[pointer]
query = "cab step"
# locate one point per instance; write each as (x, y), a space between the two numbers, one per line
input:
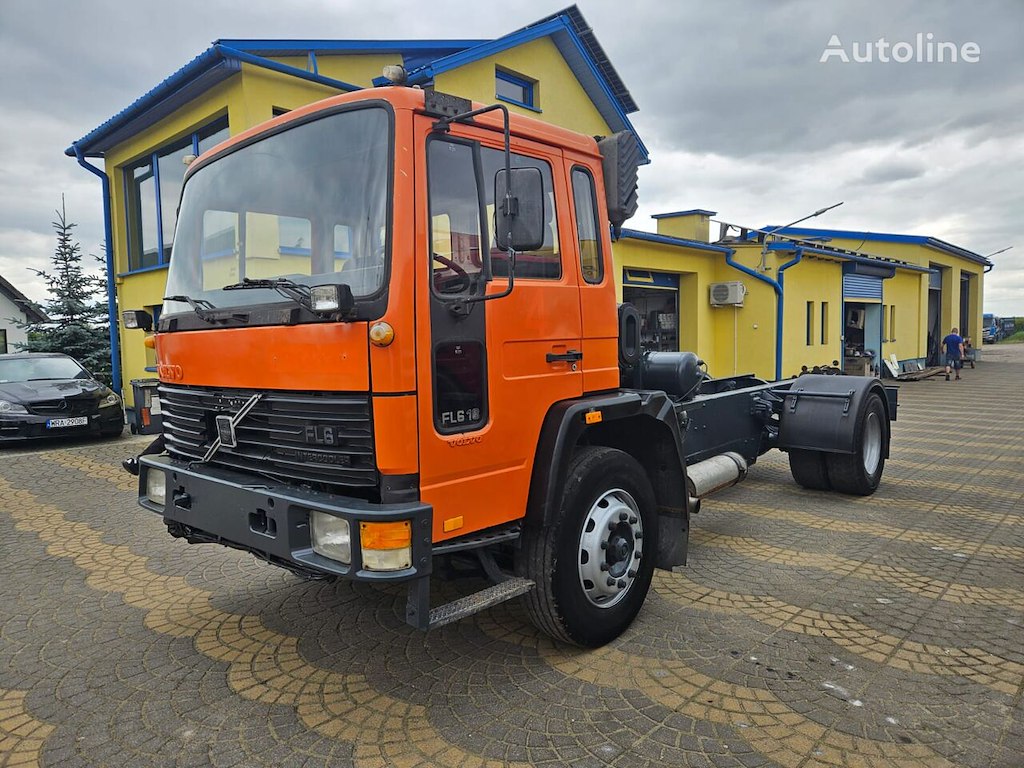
(479, 601)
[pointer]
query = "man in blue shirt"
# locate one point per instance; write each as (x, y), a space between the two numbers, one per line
(954, 344)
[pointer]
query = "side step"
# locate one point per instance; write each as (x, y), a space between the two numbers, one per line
(479, 601)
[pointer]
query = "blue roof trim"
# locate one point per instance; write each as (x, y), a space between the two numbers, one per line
(882, 237)
(202, 73)
(679, 242)
(691, 212)
(302, 47)
(569, 45)
(832, 254)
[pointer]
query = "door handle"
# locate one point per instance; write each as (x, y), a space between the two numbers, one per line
(572, 356)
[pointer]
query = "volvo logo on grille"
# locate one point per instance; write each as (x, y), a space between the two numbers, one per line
(226, 431)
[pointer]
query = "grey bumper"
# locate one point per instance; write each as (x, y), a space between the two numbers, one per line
(271, 519)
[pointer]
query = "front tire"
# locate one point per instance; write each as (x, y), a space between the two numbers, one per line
(859, 473)
(593, 564)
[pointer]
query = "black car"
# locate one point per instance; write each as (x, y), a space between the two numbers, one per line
(51, 395)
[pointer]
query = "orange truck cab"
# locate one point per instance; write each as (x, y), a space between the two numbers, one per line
(390, 336)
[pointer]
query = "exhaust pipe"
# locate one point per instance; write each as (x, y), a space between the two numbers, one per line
(714, 474)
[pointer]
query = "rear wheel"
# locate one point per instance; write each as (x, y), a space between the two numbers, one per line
(809, 469)
(594, 563)
(860, 472)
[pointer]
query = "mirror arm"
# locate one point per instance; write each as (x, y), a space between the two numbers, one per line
(460, 307)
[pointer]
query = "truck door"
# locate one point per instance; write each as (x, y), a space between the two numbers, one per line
(487, 370)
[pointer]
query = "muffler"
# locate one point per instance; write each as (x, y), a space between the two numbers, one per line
(714, 474)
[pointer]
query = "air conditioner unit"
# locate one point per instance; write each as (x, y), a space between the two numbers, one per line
(728, 294)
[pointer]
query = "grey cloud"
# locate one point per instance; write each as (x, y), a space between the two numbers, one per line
(886, 173)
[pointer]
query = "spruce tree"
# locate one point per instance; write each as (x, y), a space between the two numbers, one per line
(78, 324)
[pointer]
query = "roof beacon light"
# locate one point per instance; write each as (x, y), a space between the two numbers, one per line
(395, 73)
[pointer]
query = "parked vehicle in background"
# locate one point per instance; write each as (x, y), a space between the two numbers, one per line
(1007, 326)
(991, 330)
(52, 395)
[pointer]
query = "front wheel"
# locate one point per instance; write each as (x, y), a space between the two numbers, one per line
(860, 472)
(594, 562)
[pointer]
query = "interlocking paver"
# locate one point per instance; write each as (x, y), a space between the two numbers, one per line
(808, 629)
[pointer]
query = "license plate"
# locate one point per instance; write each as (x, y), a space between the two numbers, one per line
(74, 421)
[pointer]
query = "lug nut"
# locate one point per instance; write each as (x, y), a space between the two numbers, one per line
(637, 555)
(612, 526)
(623, 516)
(631, 574)
(638, 535)
(611, 582)
(604, 566)
(604, 545)
(632, 521)
(622, 583)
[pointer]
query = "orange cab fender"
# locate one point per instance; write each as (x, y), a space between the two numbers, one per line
(642, 424)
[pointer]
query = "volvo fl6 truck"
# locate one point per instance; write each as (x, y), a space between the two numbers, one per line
(390, 342)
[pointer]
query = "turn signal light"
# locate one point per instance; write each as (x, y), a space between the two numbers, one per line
(381, 334)
(385, 535)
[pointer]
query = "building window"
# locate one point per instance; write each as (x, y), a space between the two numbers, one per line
(3, 341)
(515, 88)
(824, 322)
(152, 188)
(885, 323)
(892, 322)
(587, 226)
(810, 323)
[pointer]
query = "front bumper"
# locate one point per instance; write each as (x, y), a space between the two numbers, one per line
(271, 519)
(30, 426)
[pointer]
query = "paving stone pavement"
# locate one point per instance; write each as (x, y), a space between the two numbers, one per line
(807, 629)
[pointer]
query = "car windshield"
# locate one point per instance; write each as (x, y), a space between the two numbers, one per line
(309, 203)
(39, 368)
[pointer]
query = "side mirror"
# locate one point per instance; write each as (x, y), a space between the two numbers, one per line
(519, 216)
(137, 318)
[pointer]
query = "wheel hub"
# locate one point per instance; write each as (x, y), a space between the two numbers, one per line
(610, 548)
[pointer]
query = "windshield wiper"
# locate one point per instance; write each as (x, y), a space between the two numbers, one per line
(201, 306)
(288, 288)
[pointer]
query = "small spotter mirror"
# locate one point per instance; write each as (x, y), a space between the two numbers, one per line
(519, 209)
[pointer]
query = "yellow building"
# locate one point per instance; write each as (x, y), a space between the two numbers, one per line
(553, 69)
(769, 305)
(915, 315)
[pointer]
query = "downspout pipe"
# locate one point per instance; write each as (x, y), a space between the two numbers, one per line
(777, 287)
(780, 306)
(115, 344)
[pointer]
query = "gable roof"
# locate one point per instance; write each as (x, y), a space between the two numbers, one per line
(422, 59)
(33, 313)
(882, 237)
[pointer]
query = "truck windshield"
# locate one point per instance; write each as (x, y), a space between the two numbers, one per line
(309, 203)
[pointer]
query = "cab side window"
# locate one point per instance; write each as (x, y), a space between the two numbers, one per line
(544, 263)
(587, 225)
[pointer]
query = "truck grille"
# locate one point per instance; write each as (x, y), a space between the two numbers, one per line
(322, 439)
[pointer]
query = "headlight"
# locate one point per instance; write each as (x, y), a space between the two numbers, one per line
(109, 400)
(331, 537)
(156, 486)
(6, 406)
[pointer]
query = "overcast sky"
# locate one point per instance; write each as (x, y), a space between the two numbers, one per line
(736, 107)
